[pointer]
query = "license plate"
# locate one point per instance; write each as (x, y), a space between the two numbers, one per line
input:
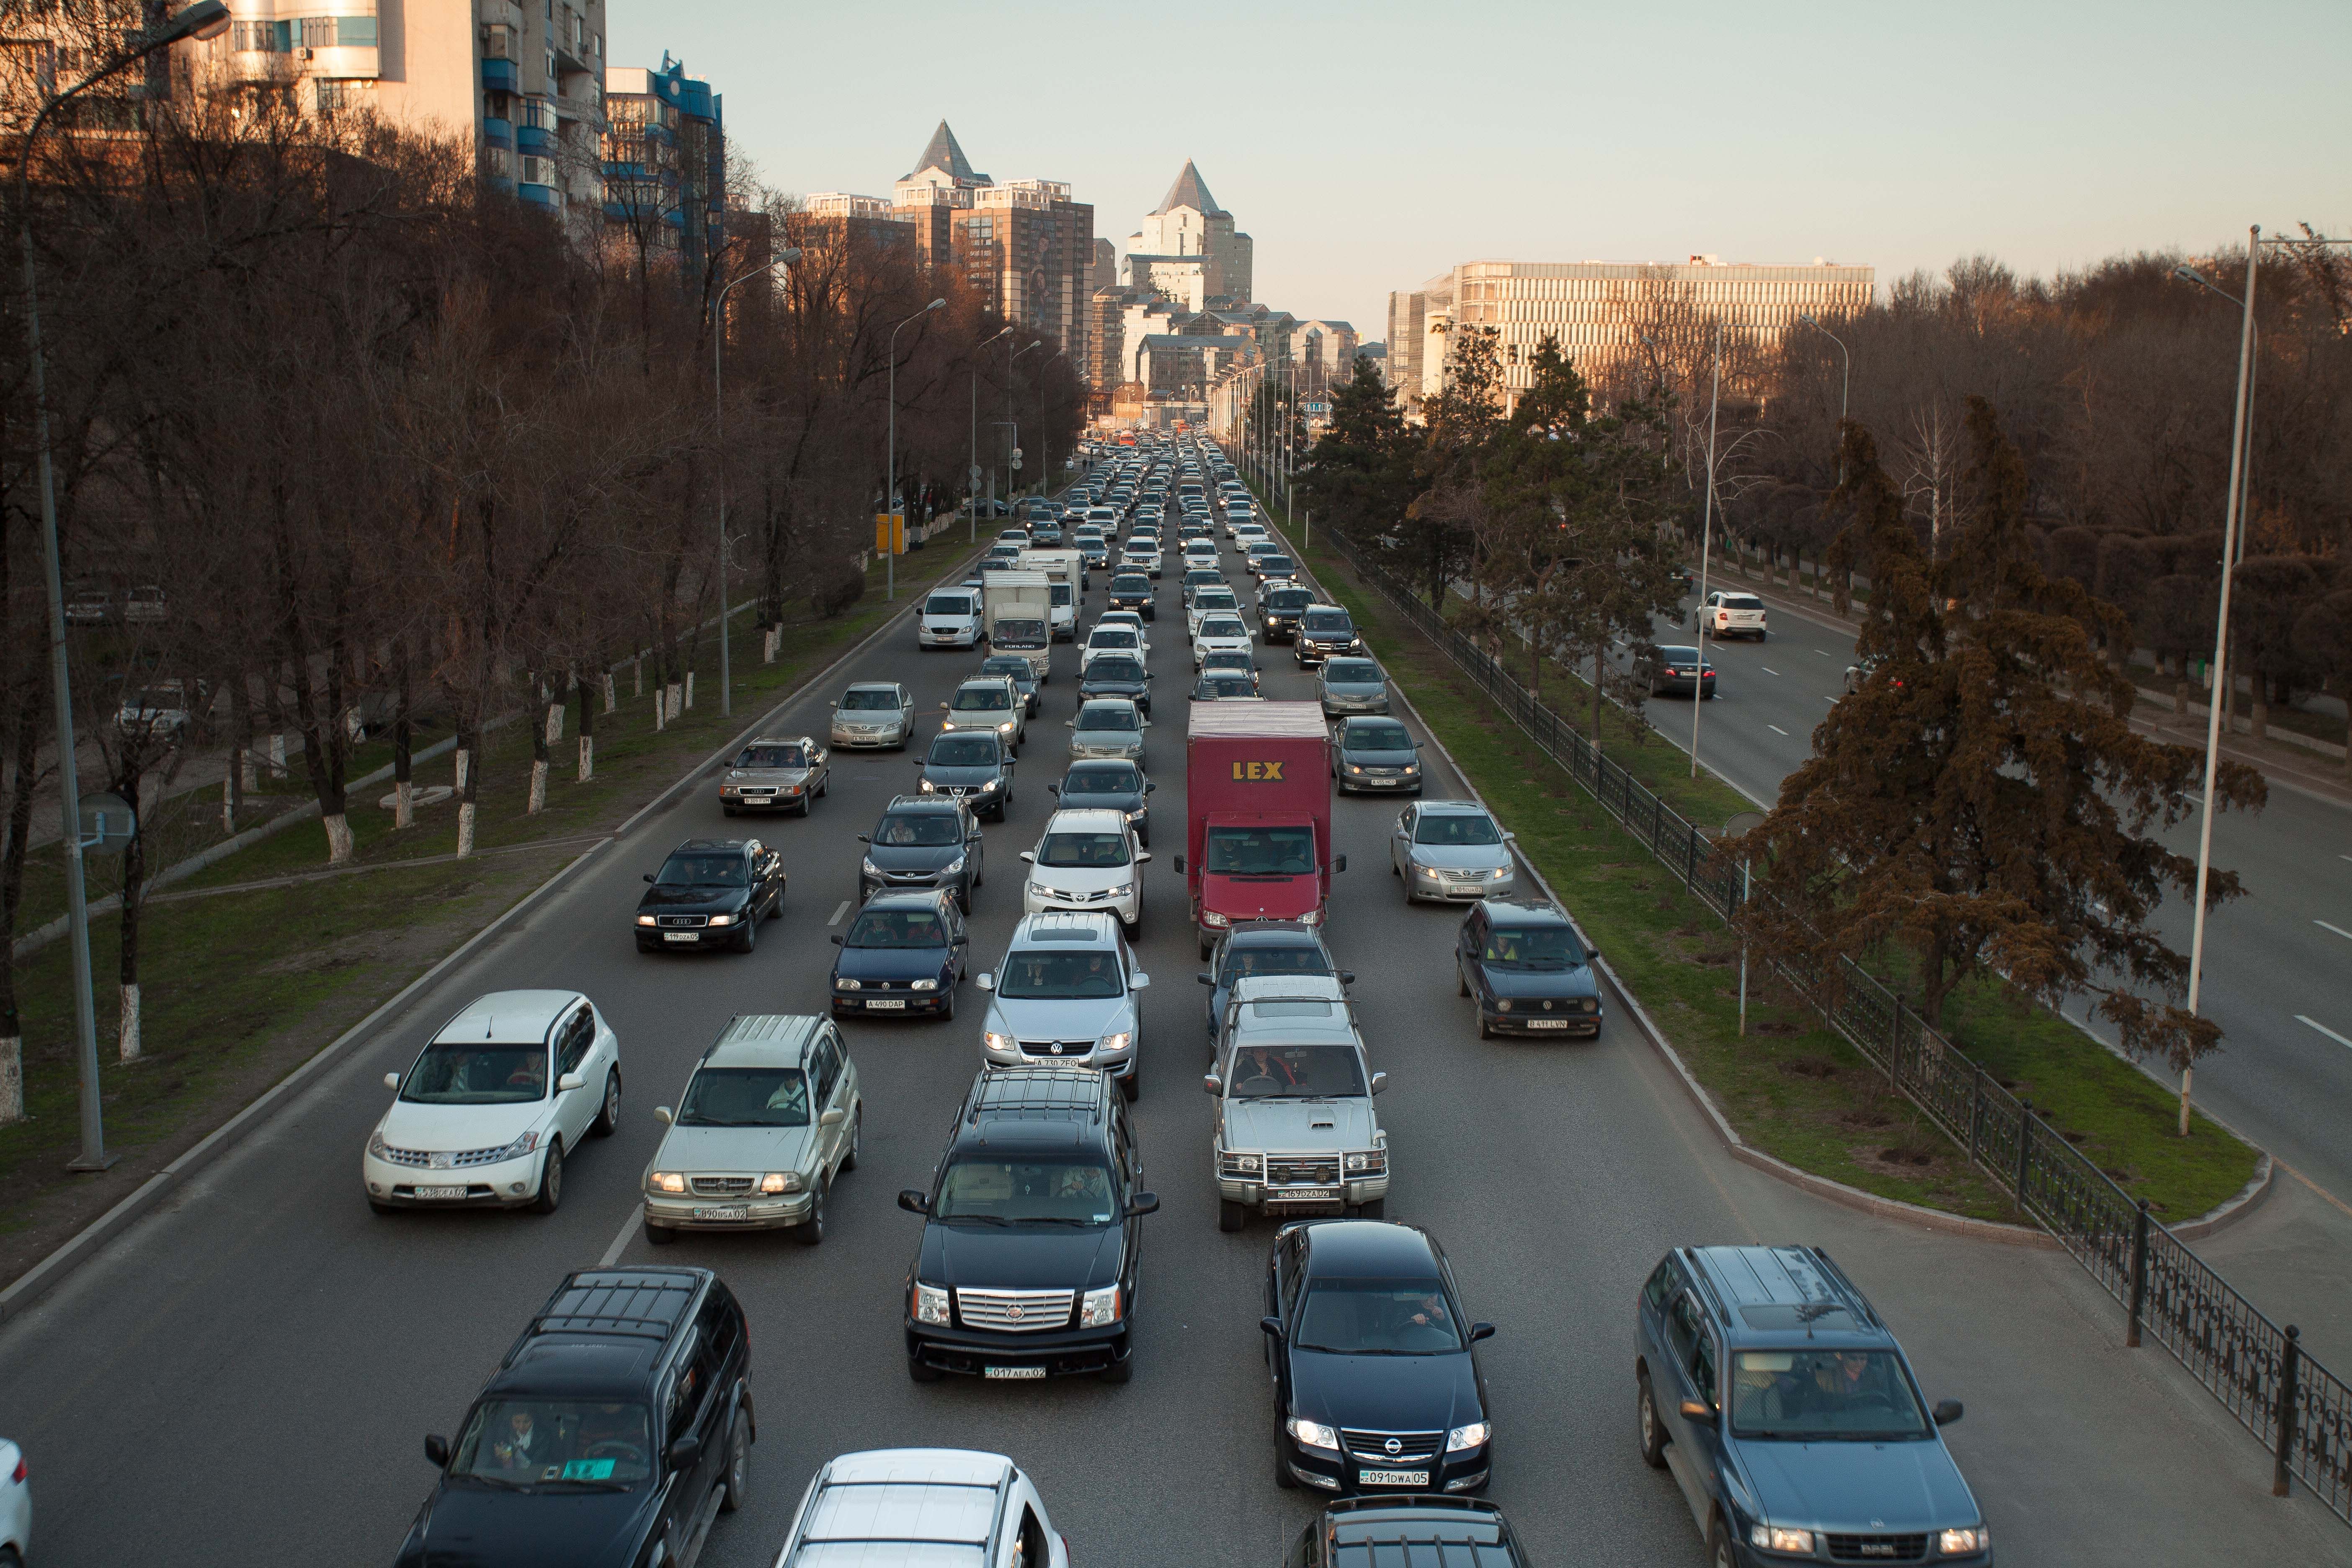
(1547, 1023)
(681, 936)
(1393, 1478)
(1016, 1373)
(724, 1211)
(1301, 1195)
(440, 1192)
(885, 1007)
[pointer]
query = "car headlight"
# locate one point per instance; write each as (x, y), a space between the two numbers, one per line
(1122, 891)
(1772, 1538)
(1006, 728)
(1354, 769)
(1116, 1041)
(1374, 1160)
(1960, 1543)
(1099, 1309)
(375, 1143)
(780, 1182)
(844, 983)
(1312, 918)
(990, 784)
(1213, 919)
(868, 869)
(1238, 1164)
(924, 985)
(1502, 1005)
(929, 786)
(1411, 768)
(647, 921)
(953, 867)
(722, 919)
(1469, 1437)
(931, 1303)
(1590, 1004)
(515, 1150)
(996, 1042)
(666, 1182)
(1312, 1434)
(1134, 816)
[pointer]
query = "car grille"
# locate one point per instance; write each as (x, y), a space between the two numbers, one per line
(1302, 1170)
(1380, 772)
(719, 1186)
(1015, 1311)
(911, 878)
(1878, 1548)
(683, 923)
(1100, 895)
(439, 1160)
(1372, 1447)
(1056, 1047)
(749, 792)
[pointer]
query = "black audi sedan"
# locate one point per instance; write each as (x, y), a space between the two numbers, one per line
(1117, 675)
(972, 767)
(1108, 783)
(710, 892)
(904, 954)
(1527, 970)
(1375, 755)
(1133, 591)
(1376, 1386)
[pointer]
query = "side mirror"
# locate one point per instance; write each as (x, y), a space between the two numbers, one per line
(1591, 954)
(1693, 1409)
(1509, 837)
(1271, 1327)
(391, 1080)
(649, 876)
(914, 1201)
(836, 938)
(1211, 1084)
(1148, 788)
(917, 761)
(437, 1449)
(832, 1118)
(682, 1454)
(1054, 790)
(1947, 1412)
(1030, 856)
(1347, 977)
(943, 707)
(864, 838)
(1209, 980)
(1142, 1204)
(986, 980)
(1416, 745)
(1180, 862)
(1379, 1081)
(1069, 723)
(569, 1082)
(1138, 983)
(1339, 863)
(663, 1114)
(1481, 1331)
(974, 837)
(1141, 859)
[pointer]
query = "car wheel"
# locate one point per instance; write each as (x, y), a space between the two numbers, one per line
(921, 1373)
(827, 784)
(1486, 1030)
(1231, 1216)
(660, 1234)
(551, 1180)
(726, 810)
(1132, 929)
(1461, 980)
(810, 1231)
(380, 1207)
(1282, 1476)
(736, 1486)
(1120, 1371)
(857, 1137)
(1377, 1209)
(1204, 949)
(1647, 1426)
(749, 938)
(1719, 1552)
(608, 1114)
(1132, 1085)
(947, 1013)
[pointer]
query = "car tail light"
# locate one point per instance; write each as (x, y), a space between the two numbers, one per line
(20, 1472)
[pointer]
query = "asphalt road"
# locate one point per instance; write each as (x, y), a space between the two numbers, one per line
(247, 1372)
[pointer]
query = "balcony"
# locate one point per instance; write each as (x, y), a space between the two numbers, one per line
(535, 139)
(498, 133)
(501, 76)
(544, 195)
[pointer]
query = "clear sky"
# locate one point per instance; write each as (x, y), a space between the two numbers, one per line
(1368, 145)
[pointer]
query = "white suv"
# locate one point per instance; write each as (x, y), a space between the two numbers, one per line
(1220, 631)
(1066, 993)
(1731, 615)
(929, 1505)
(1088, 859)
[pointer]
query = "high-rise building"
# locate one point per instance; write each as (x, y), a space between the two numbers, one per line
(666, 163)
(1187, 223)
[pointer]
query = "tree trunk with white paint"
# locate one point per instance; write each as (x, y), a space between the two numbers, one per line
(127, 1044)
(469, 784)
(677, 690)
(277, 756)
(587, 758)
(661, 709)
(465, 828)
(404, 804)
(612, 698)
(229, 796)
(538, 787)
(555, 721)
(689, 688)
(638, 674)
(12, 1079)
(465, 767)
(339, 838)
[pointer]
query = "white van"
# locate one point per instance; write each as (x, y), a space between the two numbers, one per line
(950, 618)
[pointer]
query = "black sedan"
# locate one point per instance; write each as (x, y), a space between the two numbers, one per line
(1264, 947)
(1217, 686)
(1133, 591)
(1109, 783)
(1016, 668)
(710, 892)
(976, 768)
(1677, 671)
(1376, 1386)
(1527, 970)
(904, 954)
(1117, 675)
(1375, 755)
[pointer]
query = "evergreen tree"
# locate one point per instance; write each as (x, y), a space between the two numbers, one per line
(1359, 477)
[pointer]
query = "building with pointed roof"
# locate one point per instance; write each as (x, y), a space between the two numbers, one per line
(1187, 223)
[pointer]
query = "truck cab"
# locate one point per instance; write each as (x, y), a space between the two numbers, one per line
(1258, 816)
(1296, 1130)
(1017, 608)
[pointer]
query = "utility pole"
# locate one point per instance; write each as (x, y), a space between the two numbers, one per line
(1706, 537)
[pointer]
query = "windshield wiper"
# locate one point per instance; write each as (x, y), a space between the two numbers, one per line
(973, 1220)
(1058, 1219)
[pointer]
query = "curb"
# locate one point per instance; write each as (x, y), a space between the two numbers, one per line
(2249, 1198)
(86, 1243)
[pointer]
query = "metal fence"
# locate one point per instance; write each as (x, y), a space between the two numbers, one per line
(2257, 1370)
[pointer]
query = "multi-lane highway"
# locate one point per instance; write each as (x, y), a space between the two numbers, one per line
(245, 1376)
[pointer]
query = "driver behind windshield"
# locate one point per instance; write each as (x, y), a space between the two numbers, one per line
(1296, 1073)
(702, 871)
(910, 832)
(771, 757)
(896, 928)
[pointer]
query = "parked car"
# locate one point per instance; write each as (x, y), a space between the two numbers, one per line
(1279, 610)
(1359, 1532)
(1262, 947)
(164, 710)
(1730, 613)
(968, 766)
(1451, 850)
(1372, 755)
(1108, 727)
(710, 892)
(769, 1117)
(904, 954)
(1016, 668)
(1675, 670)
(1323, 630)
(1296, 1131)
(90, 605)
(486, 1114)
(777, 772)
(923, 841)
(1791, 1417)
(1032, 1252)
(1117, 675)
(1219, 632)
(563, 1456)
(1067, 992)
(874, 713)
(991, 705)
(1527, 970)
(1351, 685)
(944, 1506)
(1377, 1386)
(950, 618)
(1110, 784)
(1088, 859)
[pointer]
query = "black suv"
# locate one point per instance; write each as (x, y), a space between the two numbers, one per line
(903, 953)
(1326, 629)
(1133, 591)
(1278, 610)
(1117, 675)
(1031, 1250)
(617, 1430)
(710, 892)
(1360, 1533)
(922, 841)
(1530, 971)
(973, 765)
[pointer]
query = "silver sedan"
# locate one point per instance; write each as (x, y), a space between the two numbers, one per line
(874, 713)
(1453, 851)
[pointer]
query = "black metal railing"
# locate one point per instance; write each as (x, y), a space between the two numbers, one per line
(2257, 1370)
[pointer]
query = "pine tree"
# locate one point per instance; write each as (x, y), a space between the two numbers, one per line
(1359, 477)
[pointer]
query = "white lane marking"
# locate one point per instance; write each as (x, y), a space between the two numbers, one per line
(1776, 728)
(1824, 652)
(1829, 699)
(629, 1228)
(2339, 930)
(1767, 669)
(838, 913)
(2323, 1029)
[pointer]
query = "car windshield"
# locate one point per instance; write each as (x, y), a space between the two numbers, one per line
(948, 604)
(1119, 780)
(1377, 737)
(1286, 599)
(1858, 1395)
(745, 1097)
(1026, 1191)
(1113, 667)
(1377, 1317)
(1233, 659)
(1351, 672)
(1278, 566)
(1456, 827)
(702, 871)
(983, 699)
(477, 1072)
(1216, 599)
(1049, 975)
(1533, 947)
(1295, 1072)
(1259, 851)
(872, 700)
(556, 1445)
(791, 756)
(896, 928)
(1060, 593)
(1216, 688)
(964, 751)
(1119, 717)
(1290, 958)
(1327, 621)
(1112, 637)
(1104, 849)
(1679, 655)
(1223, 626)
(917, 828)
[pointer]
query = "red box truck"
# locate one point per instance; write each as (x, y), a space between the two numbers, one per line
(1257, 808)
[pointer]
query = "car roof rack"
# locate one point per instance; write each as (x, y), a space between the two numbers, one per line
(642, 1303)
(1005, 1093)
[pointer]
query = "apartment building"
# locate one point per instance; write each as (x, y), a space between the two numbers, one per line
(665, 164)
(1187, 223)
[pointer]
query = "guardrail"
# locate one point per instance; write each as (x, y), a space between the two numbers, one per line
(2257, 1370)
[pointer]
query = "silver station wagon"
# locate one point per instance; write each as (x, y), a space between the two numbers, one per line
(770, 1117)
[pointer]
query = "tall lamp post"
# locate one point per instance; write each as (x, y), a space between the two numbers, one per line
(1011, 354)
(205, 19)
(1845, 384)
(1045, 431)
(897, 520)
(718, 434)
(1707, 533)
(971, 507)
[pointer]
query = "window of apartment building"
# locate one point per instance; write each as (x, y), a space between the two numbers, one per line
(268, 37)
(498, 161)
(538, 113)
(499, 42)
(538, 171)
(551, 70)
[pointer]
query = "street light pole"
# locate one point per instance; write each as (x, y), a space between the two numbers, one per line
(1845, 384)
(971, 504)
(895, 521)
(205, 19)
(719, 436)
(1045, 431)
(1011, 354)
(1706, 538)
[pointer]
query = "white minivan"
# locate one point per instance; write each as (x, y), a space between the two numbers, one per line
(950, 618)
